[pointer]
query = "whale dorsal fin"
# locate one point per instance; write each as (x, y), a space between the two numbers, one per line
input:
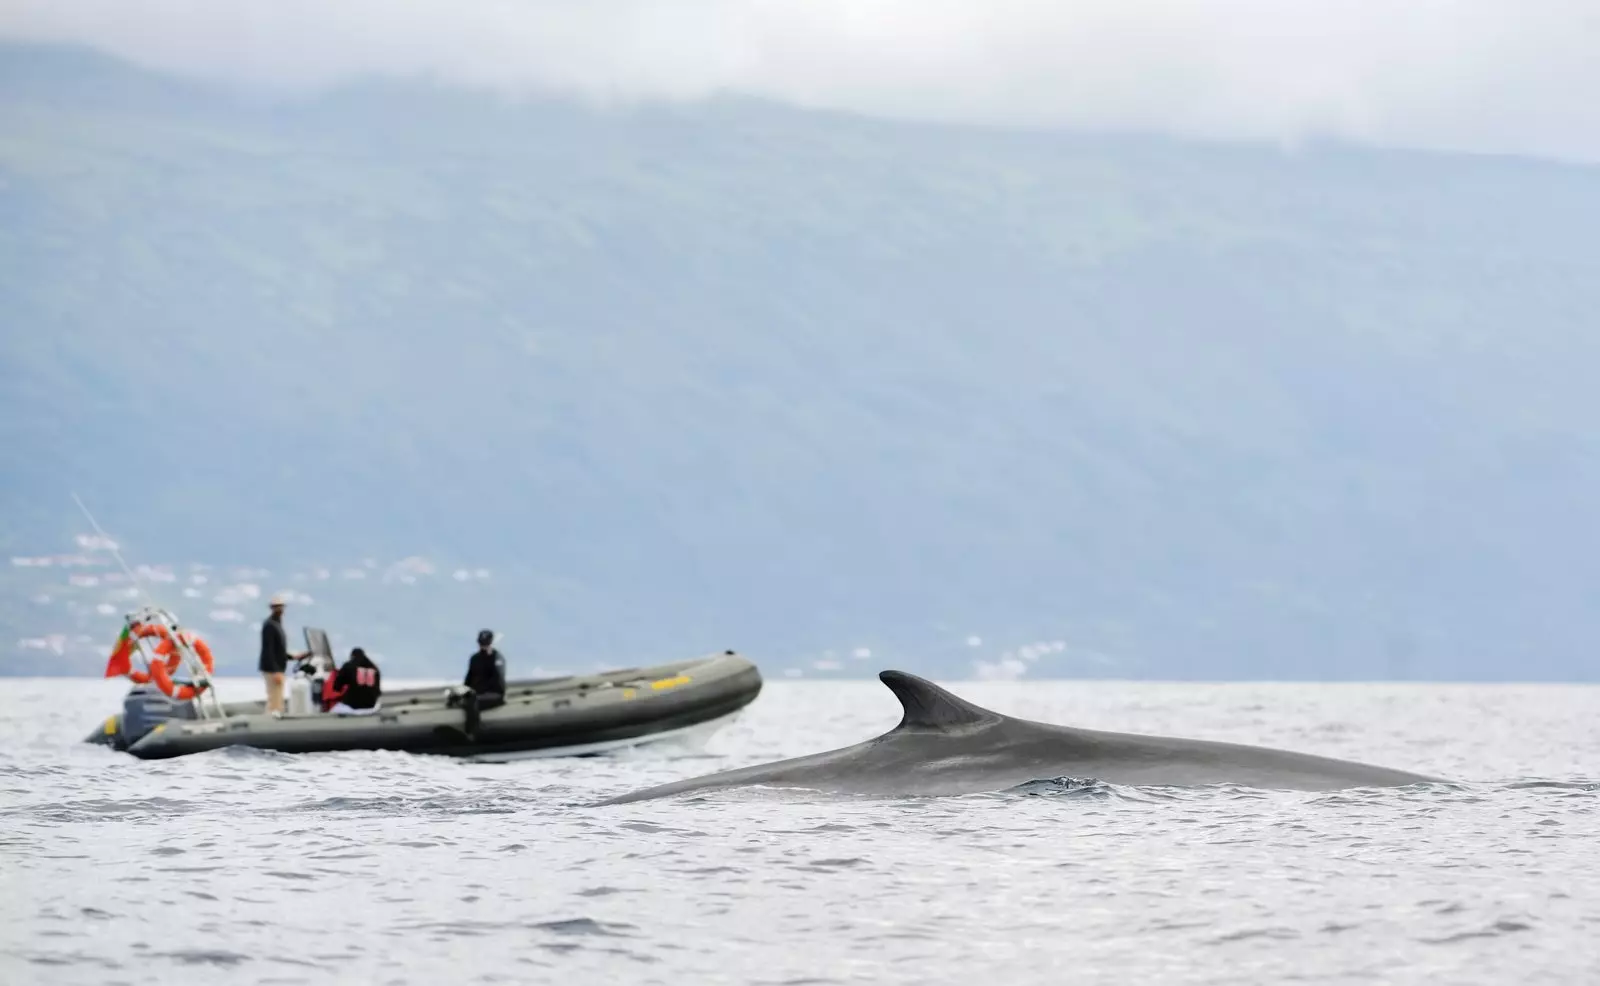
(927, 706)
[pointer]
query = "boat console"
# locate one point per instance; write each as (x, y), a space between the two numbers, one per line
(304, 687)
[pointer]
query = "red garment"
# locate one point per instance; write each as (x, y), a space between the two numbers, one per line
(330, 695)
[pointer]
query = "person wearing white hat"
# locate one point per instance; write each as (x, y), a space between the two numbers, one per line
(275, 654)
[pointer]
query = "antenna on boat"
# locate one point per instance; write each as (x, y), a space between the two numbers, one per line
(183, 649)
(113, 545)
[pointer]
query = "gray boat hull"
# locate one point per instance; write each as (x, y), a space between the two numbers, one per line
(570, 716)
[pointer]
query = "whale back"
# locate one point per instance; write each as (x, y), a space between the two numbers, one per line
(944, 744)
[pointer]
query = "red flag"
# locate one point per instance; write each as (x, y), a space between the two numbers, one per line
(121, 661)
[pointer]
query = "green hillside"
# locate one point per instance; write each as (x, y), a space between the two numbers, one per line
(736, 375)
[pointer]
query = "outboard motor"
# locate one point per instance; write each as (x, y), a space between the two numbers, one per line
(145, 707)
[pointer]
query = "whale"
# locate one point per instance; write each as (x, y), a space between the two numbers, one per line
(945, 745)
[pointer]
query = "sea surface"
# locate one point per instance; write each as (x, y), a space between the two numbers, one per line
(248, 867)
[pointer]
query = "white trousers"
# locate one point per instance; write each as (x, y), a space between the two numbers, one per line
(341, 709)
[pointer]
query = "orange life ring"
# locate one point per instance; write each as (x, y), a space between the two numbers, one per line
(144, 630)
(170, 650)
(163, 679)
(161, 671)
(165, 648)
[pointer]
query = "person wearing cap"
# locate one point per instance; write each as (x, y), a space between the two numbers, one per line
(275, 655)
(485, 681)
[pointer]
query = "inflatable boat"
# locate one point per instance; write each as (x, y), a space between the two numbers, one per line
(575, 715)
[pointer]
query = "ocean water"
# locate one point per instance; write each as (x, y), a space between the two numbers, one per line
(247, 867)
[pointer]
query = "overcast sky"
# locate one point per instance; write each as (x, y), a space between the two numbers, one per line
(1521, 76)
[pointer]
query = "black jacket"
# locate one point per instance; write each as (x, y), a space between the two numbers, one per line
(358, 683)
(274, 646)
(486, 672)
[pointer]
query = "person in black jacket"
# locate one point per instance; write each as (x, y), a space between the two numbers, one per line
(357, 686)
(485, 681)
(275, 655)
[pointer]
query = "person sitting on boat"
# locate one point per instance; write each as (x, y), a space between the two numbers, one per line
(485, 683)
(356, 688)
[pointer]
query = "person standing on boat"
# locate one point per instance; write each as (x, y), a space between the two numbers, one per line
(355, 690)
(485, 680)
(275, 655)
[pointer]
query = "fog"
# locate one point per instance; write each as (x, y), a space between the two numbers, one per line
(1486, 75)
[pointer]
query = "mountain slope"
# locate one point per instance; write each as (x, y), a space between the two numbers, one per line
(735, 375)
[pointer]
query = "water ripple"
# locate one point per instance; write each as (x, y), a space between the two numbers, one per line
(385, 868)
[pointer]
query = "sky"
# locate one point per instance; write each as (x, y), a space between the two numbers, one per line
(1499, 76)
